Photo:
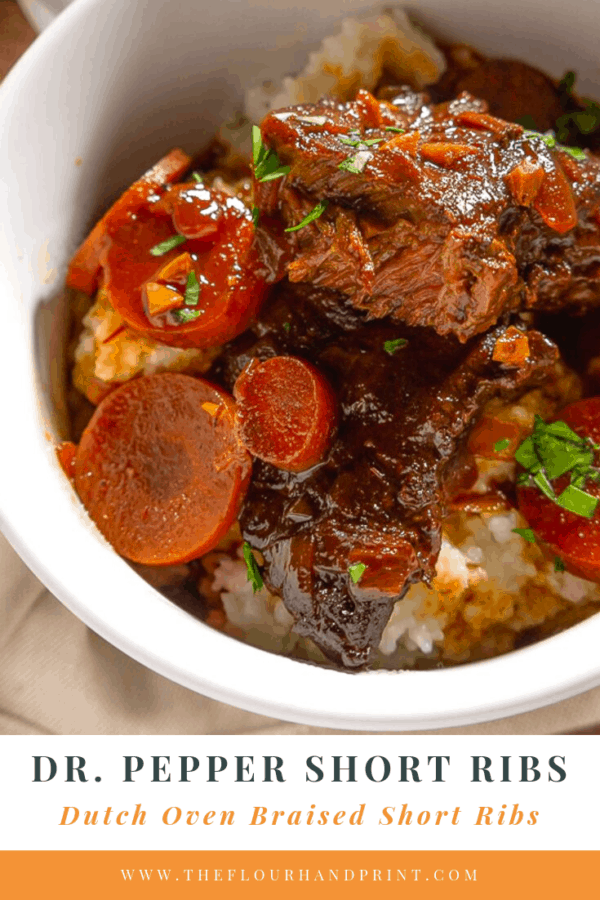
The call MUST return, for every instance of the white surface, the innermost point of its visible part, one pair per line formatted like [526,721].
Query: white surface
[115,85]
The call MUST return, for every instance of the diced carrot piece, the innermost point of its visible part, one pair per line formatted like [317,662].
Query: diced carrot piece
[177,269]
[444,153]
[524,181]
[555,202]
[161,299]
[511,348]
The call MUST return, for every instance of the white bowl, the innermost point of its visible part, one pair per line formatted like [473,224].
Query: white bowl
[100,96]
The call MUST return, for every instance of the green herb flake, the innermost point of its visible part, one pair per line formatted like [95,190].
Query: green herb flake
[550,141]
[588,119]
[267,166]
[502,445]
[255,215]
[197,177]
[278,173]
[258,148]
[356,571]
[575,152]
[553,450]
[356,163]
[187,315]
[286,327]
[577,501]
[169,244]
[567,82]
[396,344]
[559,565]
[254,576]
[393,128]
[314,214]
[526,533]
[192,290]
[361,143]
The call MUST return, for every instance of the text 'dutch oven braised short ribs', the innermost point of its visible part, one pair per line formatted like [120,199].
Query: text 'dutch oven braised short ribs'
[344,393]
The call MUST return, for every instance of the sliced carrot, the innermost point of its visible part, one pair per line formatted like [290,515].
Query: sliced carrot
[492,438]
[84,268]
[162,478]
[224,255]
[66,452]
[286,412]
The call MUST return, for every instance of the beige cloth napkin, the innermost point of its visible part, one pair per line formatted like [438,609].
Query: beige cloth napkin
[58,677]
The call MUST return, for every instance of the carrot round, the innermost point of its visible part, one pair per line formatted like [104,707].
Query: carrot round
[160,470]
[286,412]
[84,268]
[572,538]
[66,453]
[216,250]
[493,438]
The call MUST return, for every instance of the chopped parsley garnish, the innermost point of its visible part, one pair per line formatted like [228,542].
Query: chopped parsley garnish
[391,346]
[254,576]
[567,82]
[187,315]
[526,533]
[286,327]
[356,571]
[278,173]
[192,290]
[266,163]
[588,119]
[359,142]
[553,450]
[393,128]
[559,565]
[550,141]
[255,215]
[196,176]
[585,120]
[169,244]
[356,163]
[499,446]
[575,152]
[577,501]
[315,213]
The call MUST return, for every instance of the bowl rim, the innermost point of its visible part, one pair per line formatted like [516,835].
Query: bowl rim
[205,660]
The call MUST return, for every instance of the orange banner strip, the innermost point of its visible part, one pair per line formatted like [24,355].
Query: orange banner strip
[294,874]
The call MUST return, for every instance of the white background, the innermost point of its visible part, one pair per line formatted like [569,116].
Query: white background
[31,812]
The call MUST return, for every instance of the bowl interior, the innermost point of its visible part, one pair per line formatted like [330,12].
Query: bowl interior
[102,94]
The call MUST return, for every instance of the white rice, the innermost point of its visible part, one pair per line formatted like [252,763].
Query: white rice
[354,57]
